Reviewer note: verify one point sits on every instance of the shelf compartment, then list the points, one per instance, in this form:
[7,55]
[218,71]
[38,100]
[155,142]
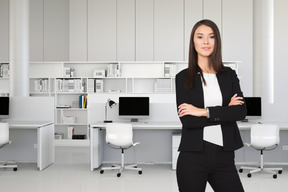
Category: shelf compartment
[142,70]
[85,69]
[71,117]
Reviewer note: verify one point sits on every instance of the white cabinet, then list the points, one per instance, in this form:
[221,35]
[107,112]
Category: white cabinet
[50,79]
[4,30]
[102,32]
[78,39]
[56,30]
[168,30]
[237,39]
[144,30]
[212,9]
[126,30]
[193,13]
[36,30]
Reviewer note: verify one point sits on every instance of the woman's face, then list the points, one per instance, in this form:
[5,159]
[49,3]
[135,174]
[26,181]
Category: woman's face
[204,41]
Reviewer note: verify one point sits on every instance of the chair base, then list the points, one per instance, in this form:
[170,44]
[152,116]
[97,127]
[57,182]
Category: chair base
[273,170]
[121,168]
[9,164]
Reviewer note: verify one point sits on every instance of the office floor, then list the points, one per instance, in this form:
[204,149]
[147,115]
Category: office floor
[74,176]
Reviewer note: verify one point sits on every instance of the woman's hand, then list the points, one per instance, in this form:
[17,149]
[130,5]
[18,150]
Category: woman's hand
[188,109]
[235,100]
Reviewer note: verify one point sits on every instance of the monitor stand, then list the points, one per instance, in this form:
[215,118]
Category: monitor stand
[134,120]
[245,120]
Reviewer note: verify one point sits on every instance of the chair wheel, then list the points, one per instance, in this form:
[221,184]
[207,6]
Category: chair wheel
[15,169]
[280,171]
[118,174]
[275,176]
[249,175]
[240,170]
[102,171]
[139,172]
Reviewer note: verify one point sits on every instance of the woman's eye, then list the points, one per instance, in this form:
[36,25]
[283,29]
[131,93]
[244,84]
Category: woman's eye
[212,37]
[199,37]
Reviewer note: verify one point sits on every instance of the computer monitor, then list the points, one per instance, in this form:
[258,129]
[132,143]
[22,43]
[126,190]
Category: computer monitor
[134,108]
[254,109]
[4,107]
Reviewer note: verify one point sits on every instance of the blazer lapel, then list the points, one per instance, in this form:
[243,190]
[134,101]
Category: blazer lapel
[224,87]
[199,98]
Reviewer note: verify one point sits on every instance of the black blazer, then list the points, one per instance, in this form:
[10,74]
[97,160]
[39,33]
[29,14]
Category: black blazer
[226,116]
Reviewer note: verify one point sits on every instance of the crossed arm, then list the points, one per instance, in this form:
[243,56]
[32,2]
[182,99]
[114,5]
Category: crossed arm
[188,109]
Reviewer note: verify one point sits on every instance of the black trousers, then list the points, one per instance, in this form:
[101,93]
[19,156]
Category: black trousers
[212,165]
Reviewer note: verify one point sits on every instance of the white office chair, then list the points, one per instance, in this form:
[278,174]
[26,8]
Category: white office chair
[264,137]
[120,136]
[4,140]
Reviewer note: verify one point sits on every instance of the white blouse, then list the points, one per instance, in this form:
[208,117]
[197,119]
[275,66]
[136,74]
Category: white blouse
[212,97]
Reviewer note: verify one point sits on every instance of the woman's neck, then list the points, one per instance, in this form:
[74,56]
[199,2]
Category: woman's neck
[203,63]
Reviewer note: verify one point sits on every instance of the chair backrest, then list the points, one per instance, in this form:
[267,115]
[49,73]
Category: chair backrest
[119,134]
[4,133]
[264,135]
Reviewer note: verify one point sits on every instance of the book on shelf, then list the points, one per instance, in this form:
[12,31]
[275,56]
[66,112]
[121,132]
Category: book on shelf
[91,85]
[170,70]
[4,70]
[113,70]
[83,101]
[69,85]
[66,72]
[63,106]
[99,86]
[41,85]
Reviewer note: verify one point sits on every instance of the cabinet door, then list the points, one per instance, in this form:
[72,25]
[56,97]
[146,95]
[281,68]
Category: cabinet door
[237,40]
[212,9]
[101,30]
[169,30]
[36,30]
[78,30]
[193,13]
[280,51]
[4,30]
[126,30]
[56,30]
[144,30]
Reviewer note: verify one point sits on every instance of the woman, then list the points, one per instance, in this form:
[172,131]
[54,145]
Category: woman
[209,101]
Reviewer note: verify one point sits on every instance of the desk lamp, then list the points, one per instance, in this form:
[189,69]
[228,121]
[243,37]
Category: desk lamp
[111,104]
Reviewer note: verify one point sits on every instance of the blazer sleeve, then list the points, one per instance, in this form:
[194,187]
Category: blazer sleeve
[182,96]
[229,113]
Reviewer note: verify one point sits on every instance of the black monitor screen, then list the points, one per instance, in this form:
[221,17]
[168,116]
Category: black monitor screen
[133,106]
[4,106]
[253,105]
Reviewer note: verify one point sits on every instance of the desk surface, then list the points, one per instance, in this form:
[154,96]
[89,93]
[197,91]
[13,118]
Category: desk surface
[28,124]
[145,125]
[177,125]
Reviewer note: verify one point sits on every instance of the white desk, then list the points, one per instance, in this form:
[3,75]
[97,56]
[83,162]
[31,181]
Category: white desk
[97,137]
[177,125]
[38,146]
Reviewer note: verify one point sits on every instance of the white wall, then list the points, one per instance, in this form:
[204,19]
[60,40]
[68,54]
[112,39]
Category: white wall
[277,111]
[234,18]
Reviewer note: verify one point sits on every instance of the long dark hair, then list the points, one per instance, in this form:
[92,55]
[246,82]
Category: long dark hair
[215,60]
